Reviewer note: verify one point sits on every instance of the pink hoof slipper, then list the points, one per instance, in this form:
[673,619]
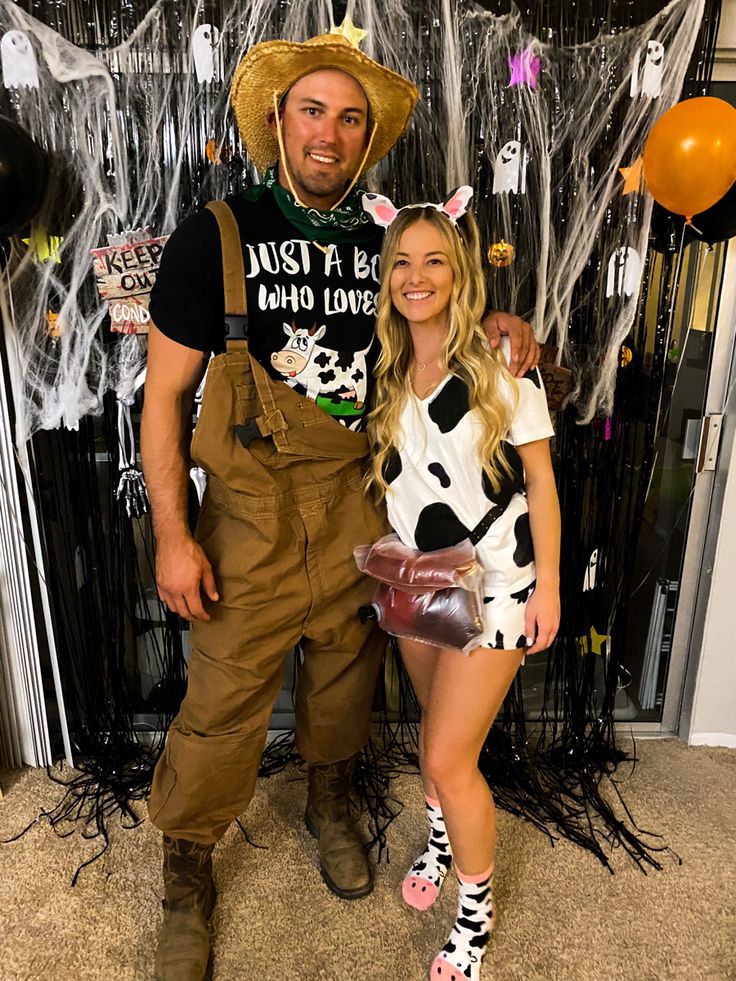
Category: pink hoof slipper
[419,893]
[443,970]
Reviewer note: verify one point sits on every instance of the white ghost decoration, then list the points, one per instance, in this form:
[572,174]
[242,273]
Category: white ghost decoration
[590,572]
[19,61]
[509,170]
[651,81]
[204,41]
[624,272]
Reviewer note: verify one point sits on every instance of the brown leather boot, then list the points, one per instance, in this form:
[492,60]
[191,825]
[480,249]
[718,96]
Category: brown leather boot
[184,950]
[343,861]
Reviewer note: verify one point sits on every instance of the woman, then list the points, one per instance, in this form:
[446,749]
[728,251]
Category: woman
[461,449]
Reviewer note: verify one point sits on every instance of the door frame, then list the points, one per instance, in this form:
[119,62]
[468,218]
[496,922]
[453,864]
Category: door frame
[704,519]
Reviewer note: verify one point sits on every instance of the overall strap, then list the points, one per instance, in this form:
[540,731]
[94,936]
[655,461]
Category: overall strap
[271,422]
[233,276]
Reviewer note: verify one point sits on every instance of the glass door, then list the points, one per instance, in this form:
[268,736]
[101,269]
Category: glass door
[668,516]
[668,555]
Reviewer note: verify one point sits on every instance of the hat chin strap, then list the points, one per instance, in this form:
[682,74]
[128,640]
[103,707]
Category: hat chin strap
[282,152]
[359,171]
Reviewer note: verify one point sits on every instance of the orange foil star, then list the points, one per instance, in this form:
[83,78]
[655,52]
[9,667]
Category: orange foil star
[632,176]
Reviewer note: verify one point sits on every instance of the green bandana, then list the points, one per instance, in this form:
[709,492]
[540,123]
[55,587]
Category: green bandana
[346,223]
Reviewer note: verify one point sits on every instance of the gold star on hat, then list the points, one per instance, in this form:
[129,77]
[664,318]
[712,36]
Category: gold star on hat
[348,29]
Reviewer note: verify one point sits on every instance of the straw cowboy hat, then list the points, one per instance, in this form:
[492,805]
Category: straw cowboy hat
[274,66]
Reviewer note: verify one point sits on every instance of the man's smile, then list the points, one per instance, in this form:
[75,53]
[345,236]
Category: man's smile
[323,158]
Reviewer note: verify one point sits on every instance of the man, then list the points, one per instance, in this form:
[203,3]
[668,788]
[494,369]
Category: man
[280,437]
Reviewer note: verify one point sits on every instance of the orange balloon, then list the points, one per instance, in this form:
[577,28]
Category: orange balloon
[690,155]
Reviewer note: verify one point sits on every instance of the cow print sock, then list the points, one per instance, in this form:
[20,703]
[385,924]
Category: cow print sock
[424,879]
[459,959]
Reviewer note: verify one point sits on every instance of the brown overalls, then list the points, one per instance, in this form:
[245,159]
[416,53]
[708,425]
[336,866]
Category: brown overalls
[279,522]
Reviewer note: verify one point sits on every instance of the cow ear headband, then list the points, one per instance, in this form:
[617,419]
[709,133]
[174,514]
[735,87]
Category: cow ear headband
[383,212]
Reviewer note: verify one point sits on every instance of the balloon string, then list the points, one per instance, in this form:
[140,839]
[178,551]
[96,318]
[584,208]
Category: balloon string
[673,305]
[671,315]
[689,224]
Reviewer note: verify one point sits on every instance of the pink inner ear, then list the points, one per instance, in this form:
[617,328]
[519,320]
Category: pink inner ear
[453,206]
[384,212]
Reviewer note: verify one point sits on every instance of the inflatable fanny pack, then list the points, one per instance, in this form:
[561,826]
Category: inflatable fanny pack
[432,597]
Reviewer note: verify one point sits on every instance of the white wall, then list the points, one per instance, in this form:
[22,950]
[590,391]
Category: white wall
[712,719]
[723,70]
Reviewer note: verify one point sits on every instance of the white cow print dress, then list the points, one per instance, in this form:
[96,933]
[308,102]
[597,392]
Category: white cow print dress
[438,494]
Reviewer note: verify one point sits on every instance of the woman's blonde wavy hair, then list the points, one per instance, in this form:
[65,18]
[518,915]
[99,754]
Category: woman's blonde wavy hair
[465,353]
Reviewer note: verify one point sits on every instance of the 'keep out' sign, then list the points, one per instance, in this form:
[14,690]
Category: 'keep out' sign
[125,274]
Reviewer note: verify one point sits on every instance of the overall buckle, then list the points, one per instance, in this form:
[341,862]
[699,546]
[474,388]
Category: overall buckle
[248,432]
[236,327]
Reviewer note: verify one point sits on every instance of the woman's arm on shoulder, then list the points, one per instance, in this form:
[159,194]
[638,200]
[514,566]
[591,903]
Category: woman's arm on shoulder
[543,608]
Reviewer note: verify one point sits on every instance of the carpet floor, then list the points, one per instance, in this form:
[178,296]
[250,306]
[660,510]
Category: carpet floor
[561,914]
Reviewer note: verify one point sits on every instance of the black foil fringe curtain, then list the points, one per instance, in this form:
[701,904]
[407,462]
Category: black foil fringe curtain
[97,561]
[122,655]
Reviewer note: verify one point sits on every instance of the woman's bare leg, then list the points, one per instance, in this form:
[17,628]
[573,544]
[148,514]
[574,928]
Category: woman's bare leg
[465,696]
[420,661]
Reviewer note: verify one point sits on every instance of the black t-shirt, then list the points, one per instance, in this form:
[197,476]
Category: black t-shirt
[311,312]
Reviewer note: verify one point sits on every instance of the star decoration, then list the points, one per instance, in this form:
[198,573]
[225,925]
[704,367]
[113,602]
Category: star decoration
[45,248]
[349,31]
[632,176]
[53,325]
[217,153]
[596,642]
[524,69]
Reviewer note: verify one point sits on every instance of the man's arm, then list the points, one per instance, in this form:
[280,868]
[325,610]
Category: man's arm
[524,347]
[182,569]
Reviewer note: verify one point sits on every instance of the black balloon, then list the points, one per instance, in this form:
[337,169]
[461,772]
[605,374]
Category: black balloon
[717,224]
[23,173]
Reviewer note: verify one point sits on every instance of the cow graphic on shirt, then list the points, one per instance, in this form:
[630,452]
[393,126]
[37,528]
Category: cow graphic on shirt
[337,376]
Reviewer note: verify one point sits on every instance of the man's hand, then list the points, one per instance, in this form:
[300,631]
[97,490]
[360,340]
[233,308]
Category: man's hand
[182,572]
[524,347]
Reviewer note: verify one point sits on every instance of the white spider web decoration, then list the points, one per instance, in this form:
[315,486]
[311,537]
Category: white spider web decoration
[127,129]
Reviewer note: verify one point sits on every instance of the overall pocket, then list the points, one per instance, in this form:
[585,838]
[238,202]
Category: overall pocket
[228,396]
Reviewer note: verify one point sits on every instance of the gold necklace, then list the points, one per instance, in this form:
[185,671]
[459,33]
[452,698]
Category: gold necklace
[426,388]
[423,365]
